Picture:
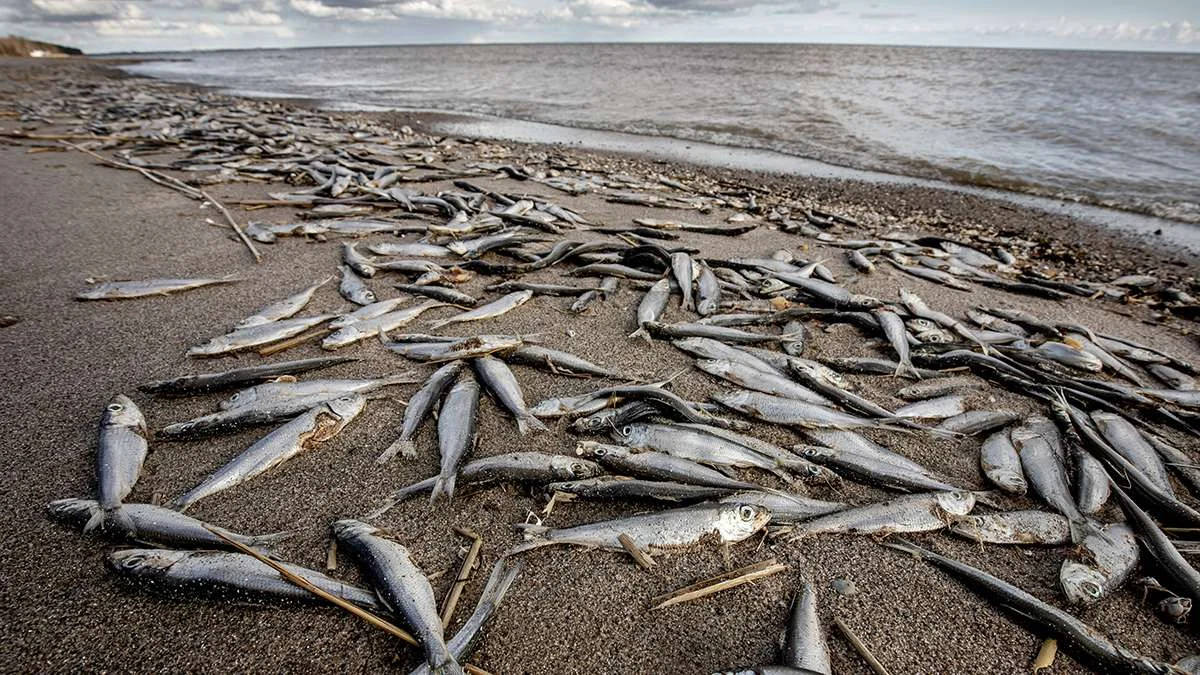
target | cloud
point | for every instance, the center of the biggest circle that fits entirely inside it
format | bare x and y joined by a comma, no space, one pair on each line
1162,32
732,6
63,11
885,16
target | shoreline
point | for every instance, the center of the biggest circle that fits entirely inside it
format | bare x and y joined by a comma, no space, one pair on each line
572,610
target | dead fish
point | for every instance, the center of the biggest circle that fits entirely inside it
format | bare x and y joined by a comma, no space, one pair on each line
676,331
607,288
758,380
158,526
493,309
923,512
233,575
1001,463
559,362
276,393
283,309
119,456
449,296
401,586
1127,440
456,432
315,426
128,290
978,421
658,466
1047,475
789,412
503,385
887,470
190,385
375,309
786,508
1069,356
1106,560
702,447
1014,527
897,335
682,268
1091,483
256,336
354,289
934,388
621,488
513,467
708,291
661,531
652,306
415,250
369,328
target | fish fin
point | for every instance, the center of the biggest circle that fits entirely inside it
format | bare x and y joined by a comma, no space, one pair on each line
117,520
641,332
403,447
96,520
536,424
534,534
398,378
444,486
522,425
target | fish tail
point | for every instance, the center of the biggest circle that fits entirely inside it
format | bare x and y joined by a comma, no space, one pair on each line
641,332
403,447
536,424
117,520
444,485
398,378
535,537
522,425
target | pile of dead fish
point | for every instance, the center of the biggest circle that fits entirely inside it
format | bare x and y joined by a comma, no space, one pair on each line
1114,412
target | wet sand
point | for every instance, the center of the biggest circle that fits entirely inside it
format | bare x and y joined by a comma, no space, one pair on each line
571,611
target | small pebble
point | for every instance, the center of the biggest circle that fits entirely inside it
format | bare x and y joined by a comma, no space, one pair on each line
844,587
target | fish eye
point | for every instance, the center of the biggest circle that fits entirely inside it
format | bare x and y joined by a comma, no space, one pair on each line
746,512
599,452
814,471
115,407
1091,588
578,469
626,430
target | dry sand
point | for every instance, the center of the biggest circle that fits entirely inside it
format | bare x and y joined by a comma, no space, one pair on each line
571,611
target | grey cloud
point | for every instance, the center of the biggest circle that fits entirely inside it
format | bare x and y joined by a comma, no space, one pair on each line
733,6
887,15
65,12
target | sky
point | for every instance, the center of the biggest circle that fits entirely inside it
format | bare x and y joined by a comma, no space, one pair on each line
168,25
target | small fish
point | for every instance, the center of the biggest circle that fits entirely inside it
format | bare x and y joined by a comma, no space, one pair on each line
936,408
1047,475
315,426
503,385
128,290
233,575
191,385
504,573
1014,527
378,308
369,328
410,250
922,512
256,336
121,451
621,488
493,309
357,261
401,586
449,296
658,466
354,289
158,526
661,531
789,412
708,296
283,309
786,508
1127,440
1106,559
456,431
897,335
651,308
682,268
1001,463
977,421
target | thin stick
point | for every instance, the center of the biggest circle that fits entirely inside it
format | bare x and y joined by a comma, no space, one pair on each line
719,583
300,339
639,556
464,575
306,585
155,176
55,137
860,647
233,223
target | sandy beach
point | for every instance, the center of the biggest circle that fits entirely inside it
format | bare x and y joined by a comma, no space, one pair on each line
68,219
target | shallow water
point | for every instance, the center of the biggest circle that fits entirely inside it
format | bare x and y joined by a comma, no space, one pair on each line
1107,128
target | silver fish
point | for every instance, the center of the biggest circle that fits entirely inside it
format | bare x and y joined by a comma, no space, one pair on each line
122,450
786,508
368,328
1001,463
456,431
1014,527
658,466
315,426
283,309
127,290
805,648
682,268
255,336
936,408
708,291
229,574
504,573
493,309
274,393
410,250
1110,555
652,306
357,261
158,526
897,335
365,312
418,409
503,385
664,530
758,380
789,412
354,289
1127,440
402,587
923,512
977,421
1046,474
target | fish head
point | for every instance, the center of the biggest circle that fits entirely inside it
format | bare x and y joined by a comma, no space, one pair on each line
121,412
816,453
594,450
241,398
1009,481
738,521
770,286
1175,608
633,435
1081,584
144,562
571,468
71,510
347,407
957,503
865,301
